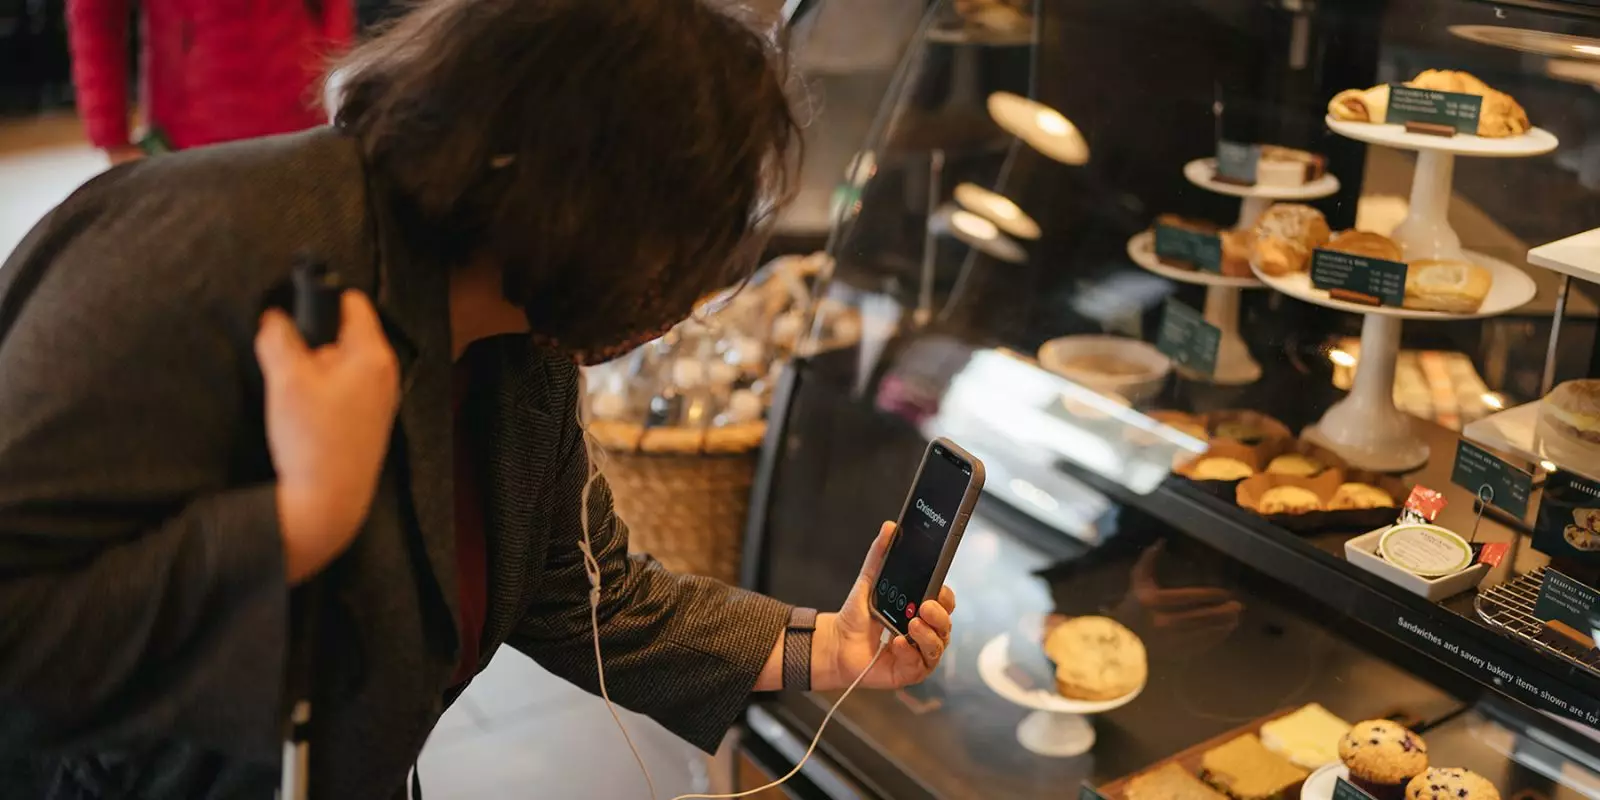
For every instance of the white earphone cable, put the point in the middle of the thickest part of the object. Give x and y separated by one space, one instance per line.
591 568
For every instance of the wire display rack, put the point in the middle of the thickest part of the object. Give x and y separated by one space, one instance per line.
1510 607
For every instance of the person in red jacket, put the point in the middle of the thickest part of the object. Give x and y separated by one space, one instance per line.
211 70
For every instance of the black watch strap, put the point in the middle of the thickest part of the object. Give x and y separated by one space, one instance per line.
797 649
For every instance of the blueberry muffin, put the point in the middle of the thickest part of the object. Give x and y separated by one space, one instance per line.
1383 756
1451 783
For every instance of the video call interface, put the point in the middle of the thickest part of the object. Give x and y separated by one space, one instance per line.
909 567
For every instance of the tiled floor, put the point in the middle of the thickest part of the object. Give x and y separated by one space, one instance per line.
519 732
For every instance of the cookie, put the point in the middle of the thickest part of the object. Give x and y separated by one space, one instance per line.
1451 783
1383 756
1096 658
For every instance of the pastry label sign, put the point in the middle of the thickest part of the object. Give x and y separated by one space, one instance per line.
1359 279
1203 250
1503 486
1236 162
1345 790
1187 339
1569 518
1564 600
1430 107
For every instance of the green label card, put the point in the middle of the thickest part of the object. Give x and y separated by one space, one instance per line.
1345 790
1459 111
1568 524
1087 792
1482 473
1203 250
1188 339
1562 599
1383 281
1236 163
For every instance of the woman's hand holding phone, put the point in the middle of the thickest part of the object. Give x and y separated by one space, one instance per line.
844 643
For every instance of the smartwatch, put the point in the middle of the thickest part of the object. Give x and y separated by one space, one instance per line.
797 649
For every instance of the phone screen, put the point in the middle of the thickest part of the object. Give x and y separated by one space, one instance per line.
926 523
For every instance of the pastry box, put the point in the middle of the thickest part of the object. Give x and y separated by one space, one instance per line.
1254 492
1362 551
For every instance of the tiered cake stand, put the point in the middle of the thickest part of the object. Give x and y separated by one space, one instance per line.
1058 726
1235 366
1366 428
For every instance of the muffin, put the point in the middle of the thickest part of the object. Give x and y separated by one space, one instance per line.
1383 756
1451 783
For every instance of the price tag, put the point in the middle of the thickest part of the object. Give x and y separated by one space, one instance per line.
1345 790
1503 486
1359 279
1187 338
1087 792
1202 250
1236 162
1430 107
1564 600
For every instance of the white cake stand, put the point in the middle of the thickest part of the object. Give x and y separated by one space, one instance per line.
1057 727
1235 365
1365 428
1202 172
1426 231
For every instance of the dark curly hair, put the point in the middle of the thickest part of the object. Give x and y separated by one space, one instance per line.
618 158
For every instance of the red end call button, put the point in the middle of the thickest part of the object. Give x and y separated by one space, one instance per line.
911 609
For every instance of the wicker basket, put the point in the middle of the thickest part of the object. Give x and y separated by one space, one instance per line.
687 509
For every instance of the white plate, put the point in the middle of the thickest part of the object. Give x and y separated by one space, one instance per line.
1533 143
1202 172
1142 249
1320 785
992 663
1512 288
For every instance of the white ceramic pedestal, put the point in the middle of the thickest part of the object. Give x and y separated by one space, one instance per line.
1235 365
1058 727
1426 231
1365 428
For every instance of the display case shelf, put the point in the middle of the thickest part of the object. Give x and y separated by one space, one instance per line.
1517 431
1577 256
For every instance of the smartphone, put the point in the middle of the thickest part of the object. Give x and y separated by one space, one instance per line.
926 535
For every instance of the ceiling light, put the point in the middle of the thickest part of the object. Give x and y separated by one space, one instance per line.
1040 126
997 208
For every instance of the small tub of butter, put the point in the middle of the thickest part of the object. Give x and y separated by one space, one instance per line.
1426 550
1423 559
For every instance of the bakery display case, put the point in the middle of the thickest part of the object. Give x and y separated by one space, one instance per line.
1275 327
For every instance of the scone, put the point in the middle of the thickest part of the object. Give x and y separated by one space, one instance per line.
1285 236
1236 249
1219 468
1455 287
1356 496
1383 757
1289 500
1573 408
1096 658
1361 105
1295 464
1245 769
1362 243
1451 783
1498 116
1308 738
1170 782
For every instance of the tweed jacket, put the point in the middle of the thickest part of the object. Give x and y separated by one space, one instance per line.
145 623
